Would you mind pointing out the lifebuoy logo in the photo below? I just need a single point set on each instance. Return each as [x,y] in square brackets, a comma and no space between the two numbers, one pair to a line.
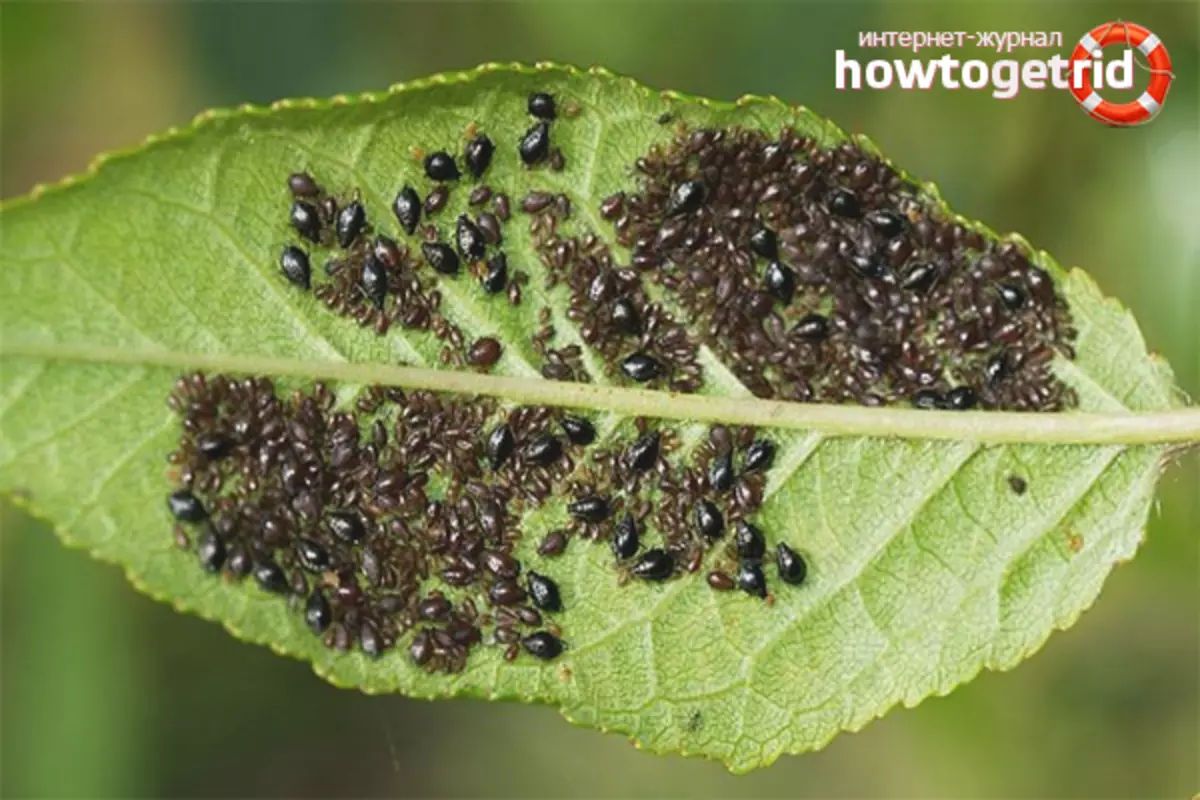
[1090,47]
[1085,74]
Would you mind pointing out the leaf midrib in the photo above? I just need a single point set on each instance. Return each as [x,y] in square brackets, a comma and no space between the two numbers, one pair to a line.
[1177,425]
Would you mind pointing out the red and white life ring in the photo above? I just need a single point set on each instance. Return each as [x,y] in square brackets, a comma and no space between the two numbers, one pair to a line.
[1151,101]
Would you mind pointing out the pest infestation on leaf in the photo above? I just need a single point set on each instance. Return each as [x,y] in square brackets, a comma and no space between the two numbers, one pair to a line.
[722,255]
[835,264]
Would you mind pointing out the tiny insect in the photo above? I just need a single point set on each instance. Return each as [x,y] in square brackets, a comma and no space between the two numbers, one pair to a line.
[479,155]
[641,367]
[541,105]
[306,220]
[791,565]
[579,431]
[543,645]
[440,166]
[407,208]
[535,144]
[441,257]
[544,592]
[186,507]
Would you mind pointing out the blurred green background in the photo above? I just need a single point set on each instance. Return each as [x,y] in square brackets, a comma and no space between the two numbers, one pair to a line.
[106,693]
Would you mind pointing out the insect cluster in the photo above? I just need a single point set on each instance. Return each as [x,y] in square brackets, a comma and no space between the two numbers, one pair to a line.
[823,275]
[813,274]
[401,517]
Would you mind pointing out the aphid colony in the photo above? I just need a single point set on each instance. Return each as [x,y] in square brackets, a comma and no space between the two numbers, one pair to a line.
[397,522]
[378,282]
[820,275]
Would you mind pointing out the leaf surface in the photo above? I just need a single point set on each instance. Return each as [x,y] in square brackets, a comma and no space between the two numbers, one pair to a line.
[925,566]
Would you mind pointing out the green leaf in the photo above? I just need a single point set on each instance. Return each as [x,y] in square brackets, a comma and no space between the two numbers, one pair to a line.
[925,567]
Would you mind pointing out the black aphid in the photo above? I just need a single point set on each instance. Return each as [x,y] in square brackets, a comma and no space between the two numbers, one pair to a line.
[541,105]
[347,526]
[750,579]
[313,557]
[812,327]
[844,203]
[211,551]
[306,220]
[720,473]
[296,266]
[643,453]
[374,281]
[479,155]
[1011,295]
[407,208]
[765,243]
[749,541]
[686,197]
[996,368]
[928,399]
[710,523]
[441,257]
[301,184]
[543,645]
[625,539]
[440,166]
[591,508]
[781,282]
[185,506]
[496,276]
[654,565]
[214,446]
[317,613]
[544,592]
[641,367]
[791,565]
[1017,484]
[543,451]
[888,223]
[579,431]
[961,398]
[760,455]
[535,144]
[868,265]
[920,278]
[469,239]
[500,445]
[625,317]
[350,223]
[271,576]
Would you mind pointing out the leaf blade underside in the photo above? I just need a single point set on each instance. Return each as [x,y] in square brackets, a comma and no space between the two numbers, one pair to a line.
[926,568]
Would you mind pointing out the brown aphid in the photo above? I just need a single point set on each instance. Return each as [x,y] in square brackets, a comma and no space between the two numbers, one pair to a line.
[484,352]
[554,544]
[721,581]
